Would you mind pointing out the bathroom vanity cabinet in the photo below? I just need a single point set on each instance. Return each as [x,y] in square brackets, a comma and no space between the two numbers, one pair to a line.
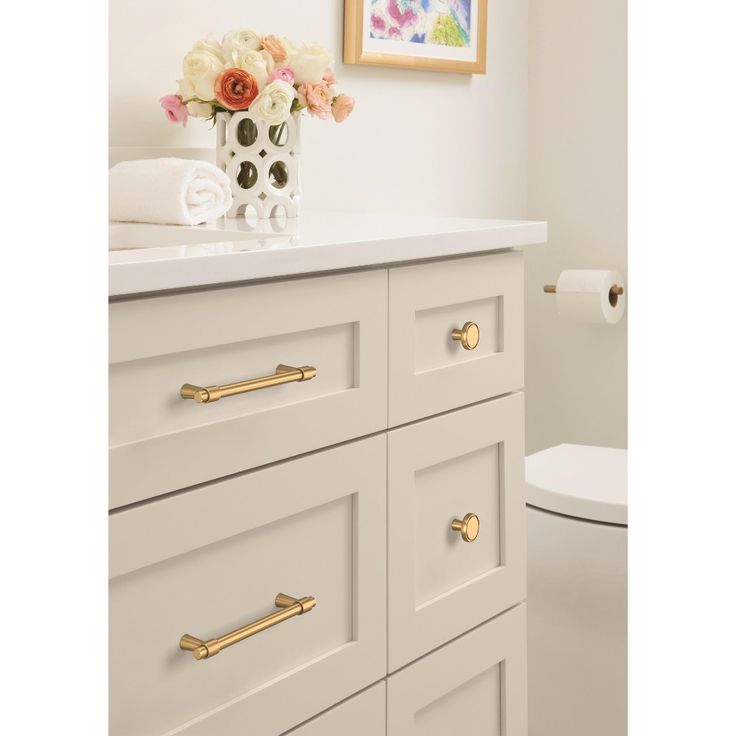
[316,479]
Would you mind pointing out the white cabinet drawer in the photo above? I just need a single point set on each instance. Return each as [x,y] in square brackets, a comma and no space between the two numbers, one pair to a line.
[363,715]
[429,372]
[211,560]
[475,686]
[161,442]
[439,470]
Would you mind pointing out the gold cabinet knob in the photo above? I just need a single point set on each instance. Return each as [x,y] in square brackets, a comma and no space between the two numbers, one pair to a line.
[469,527]
[469,335]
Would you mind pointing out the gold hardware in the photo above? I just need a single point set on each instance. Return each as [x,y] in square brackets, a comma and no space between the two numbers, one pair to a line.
[614,292]
[289,607]
[469,335]
[469,527]
[283,374]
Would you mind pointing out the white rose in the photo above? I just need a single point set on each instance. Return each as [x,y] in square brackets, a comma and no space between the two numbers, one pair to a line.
[267,60]
[309,62]
[236,42]
[201,68]
[212,45]
[200,109]
[273,104]
[186,89]
[289,46]
[254,63]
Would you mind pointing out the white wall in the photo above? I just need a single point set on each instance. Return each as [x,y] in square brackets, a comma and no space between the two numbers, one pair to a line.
[418,142]
[576,375]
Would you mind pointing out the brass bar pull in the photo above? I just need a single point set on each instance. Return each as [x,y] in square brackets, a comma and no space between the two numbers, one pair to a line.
[288,608]
[283,374]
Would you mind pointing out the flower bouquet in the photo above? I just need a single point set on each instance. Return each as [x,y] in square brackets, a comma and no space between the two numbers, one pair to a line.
[254,88]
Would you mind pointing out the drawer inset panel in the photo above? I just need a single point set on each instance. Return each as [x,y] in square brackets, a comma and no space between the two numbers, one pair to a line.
[440,563]
[431,353]
[161,442]
[212,560]
[147,383]
[440,585]
[429,371]
[475,686]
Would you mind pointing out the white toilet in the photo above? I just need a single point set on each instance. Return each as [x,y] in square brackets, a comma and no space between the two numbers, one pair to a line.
[577,527]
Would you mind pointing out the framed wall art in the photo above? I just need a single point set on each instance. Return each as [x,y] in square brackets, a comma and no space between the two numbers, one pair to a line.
[441,35]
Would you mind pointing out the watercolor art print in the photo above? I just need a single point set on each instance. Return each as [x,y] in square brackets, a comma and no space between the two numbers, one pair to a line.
[435,22]
[430,34]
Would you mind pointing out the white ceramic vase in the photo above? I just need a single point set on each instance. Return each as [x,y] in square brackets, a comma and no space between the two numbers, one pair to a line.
[262,163]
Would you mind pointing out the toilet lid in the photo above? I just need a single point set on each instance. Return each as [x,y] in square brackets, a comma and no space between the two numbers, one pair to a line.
[579,480]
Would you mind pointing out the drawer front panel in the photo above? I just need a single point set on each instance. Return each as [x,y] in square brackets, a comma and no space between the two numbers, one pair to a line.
[440,470]
[161,442]
[429,371]
[211,560]
[475,686]
[363,715]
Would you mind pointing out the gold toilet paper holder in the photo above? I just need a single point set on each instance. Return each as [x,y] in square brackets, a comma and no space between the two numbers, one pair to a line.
[613,293]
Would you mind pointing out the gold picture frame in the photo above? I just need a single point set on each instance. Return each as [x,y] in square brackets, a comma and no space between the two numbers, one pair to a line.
[373,34]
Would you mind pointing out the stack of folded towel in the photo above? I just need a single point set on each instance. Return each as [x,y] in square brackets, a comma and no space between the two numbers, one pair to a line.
[173,191]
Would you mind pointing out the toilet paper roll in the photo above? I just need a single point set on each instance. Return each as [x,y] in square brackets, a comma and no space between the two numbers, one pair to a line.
[585,296]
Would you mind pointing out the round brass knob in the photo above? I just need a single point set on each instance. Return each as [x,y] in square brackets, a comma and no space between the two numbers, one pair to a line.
[469,527]
[469,335]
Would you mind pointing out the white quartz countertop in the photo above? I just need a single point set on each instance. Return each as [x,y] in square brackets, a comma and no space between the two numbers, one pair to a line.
[149,258]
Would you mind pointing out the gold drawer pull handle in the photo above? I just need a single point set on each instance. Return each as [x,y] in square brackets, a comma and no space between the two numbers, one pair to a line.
[469,527]
[288,608]
[283,374]
[469,335]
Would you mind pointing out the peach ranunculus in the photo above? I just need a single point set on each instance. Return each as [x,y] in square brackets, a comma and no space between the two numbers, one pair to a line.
[235,89]
[175,109]
[342,106]
[329,76]
[316,98]
[273,45]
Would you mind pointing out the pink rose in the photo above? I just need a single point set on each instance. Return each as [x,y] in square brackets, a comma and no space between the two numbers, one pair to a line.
[175,109]
[285,74]
[274,47]
[316,98]
[329,76]
[342,106]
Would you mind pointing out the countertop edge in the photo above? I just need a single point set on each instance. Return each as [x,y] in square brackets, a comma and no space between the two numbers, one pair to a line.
[151,277]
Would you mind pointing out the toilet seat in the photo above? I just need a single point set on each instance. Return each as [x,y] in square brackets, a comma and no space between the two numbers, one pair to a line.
[579,480]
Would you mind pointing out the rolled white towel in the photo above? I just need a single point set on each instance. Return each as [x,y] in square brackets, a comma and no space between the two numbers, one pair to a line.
[175,191]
